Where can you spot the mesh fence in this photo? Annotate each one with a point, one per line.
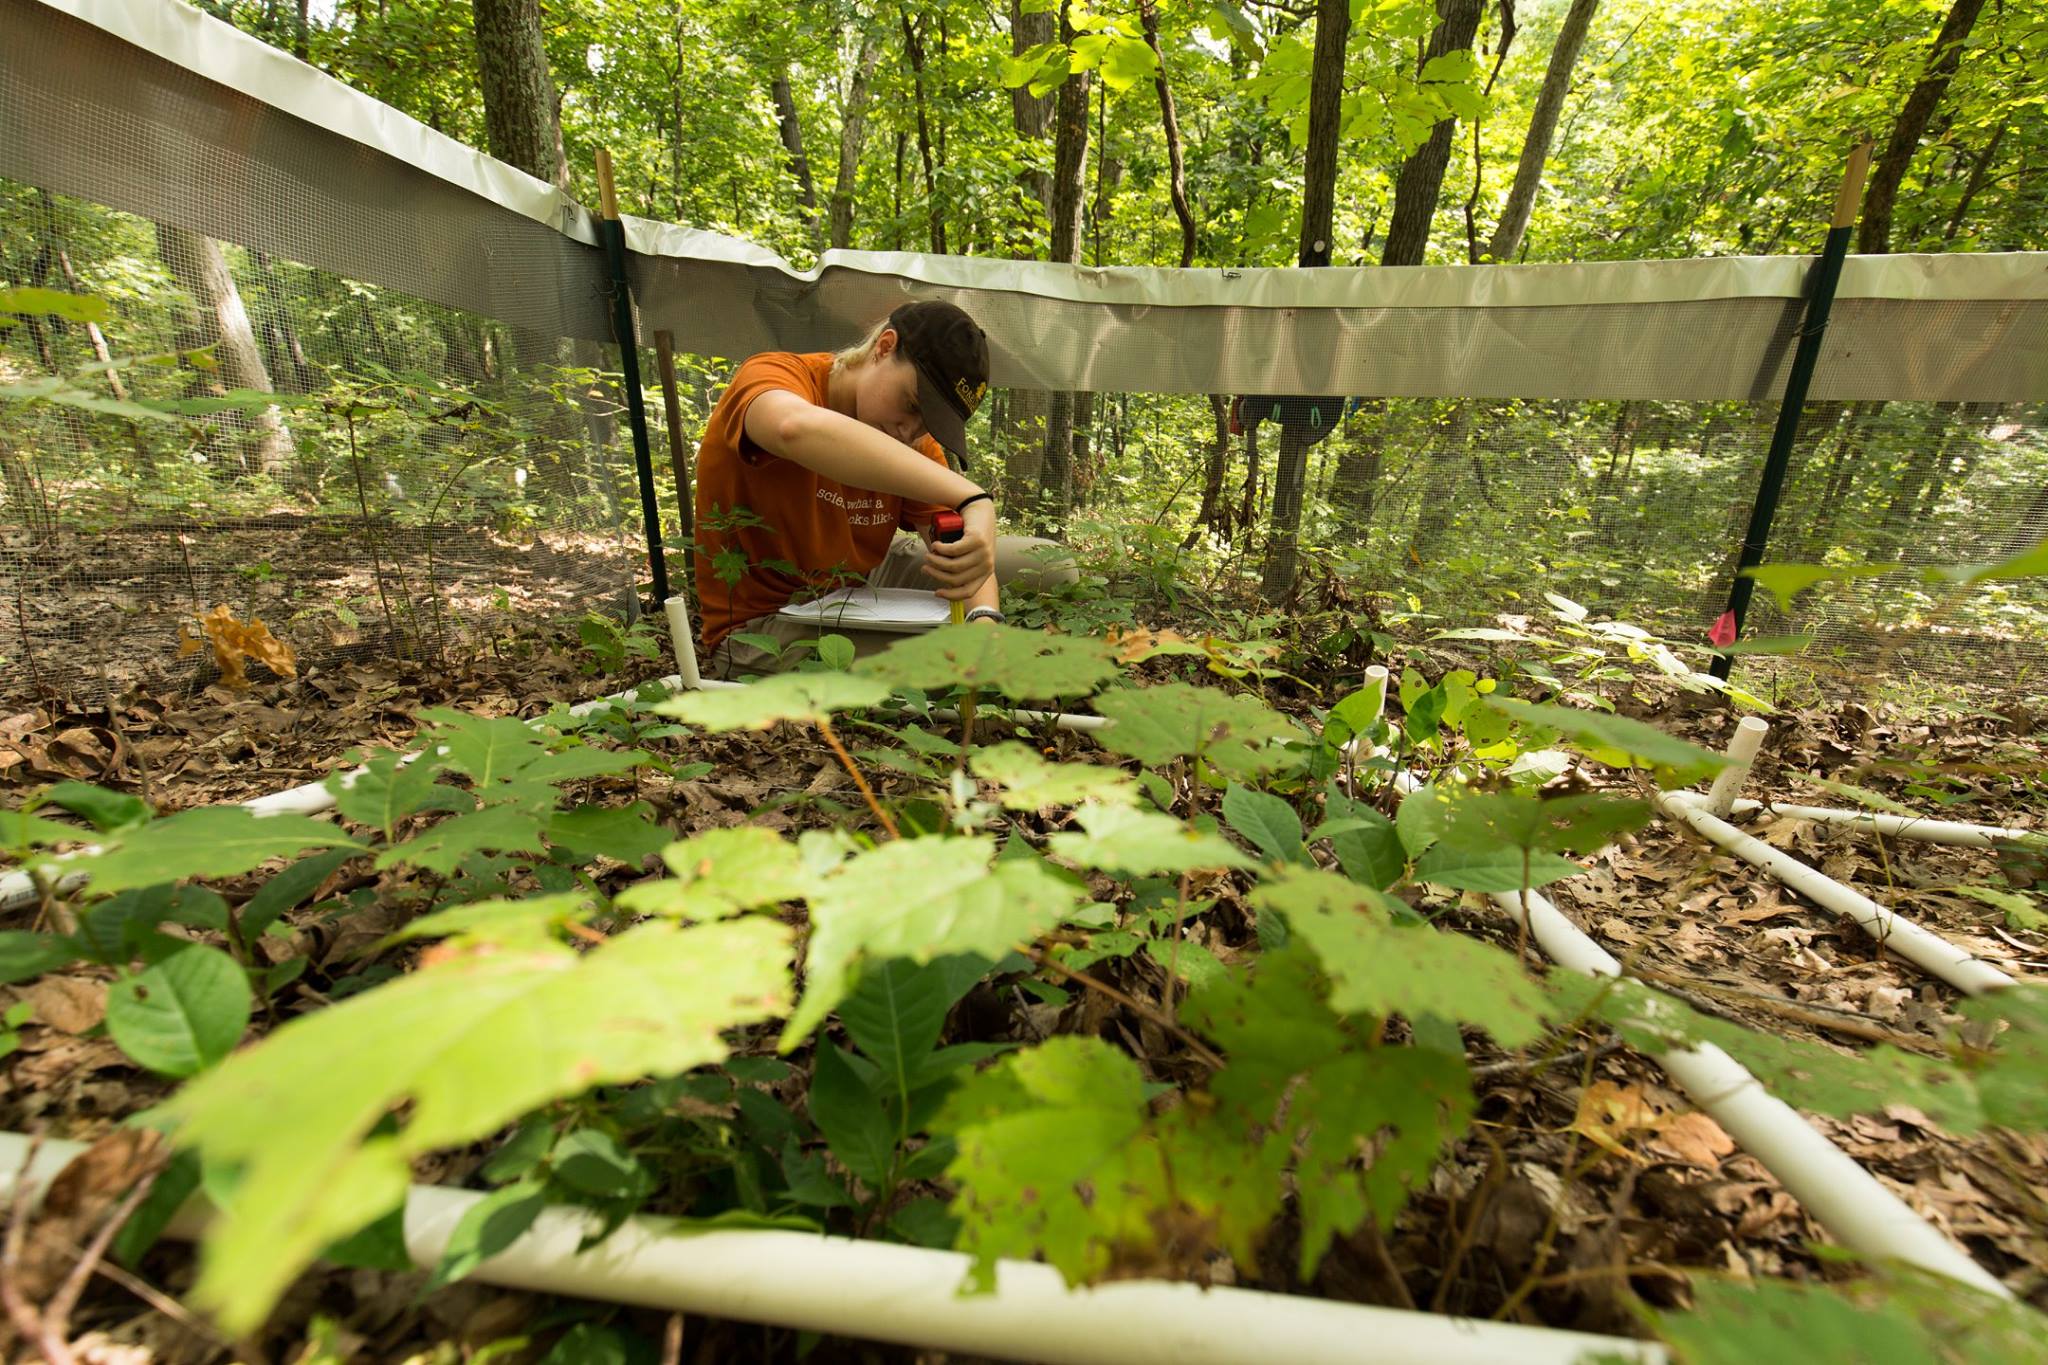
(1634, 509)
(425, 477)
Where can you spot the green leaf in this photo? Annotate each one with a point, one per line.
(835, 652)
(2020, 911)
(210, 841)
(785, 696)
(591, 1161)
(1804, 1074)
(1267, 821)
(486, 1228)
(501, 922)
(897, 1012)
(921, 899)
(287, 889)
(1298, 1077)
(1356, 713)
(1378, 967)
(1786, 581)
(1023, 665)
(108, 812)
(851, 1118)
(723, 872)
(184, 1014)
(469, 1044)
(1499, 841)
(626, 834)
(489, 749)
(1142, 843)
(1371, 854)
(1862, 796)
(388, 788)
(1619, 741)
(1053, 1161)
(1897, 1319)
(1236, 734)
(442, 847)
(24, 955)
(55, 303)
(1125, 63)
(2027, 564)
(1030, 782)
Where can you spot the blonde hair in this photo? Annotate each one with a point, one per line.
(858, 354)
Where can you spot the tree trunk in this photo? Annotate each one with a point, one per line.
(1022, 431)
(1215, 512)
(1975, 183)
(1031, 115)
(913, 45)
(792, 132)
(520, 126)
(1421, 180)
(196, 264)
(1169, 120)
(54, 245)
(1875, 236)
(1318, 208)
(1069, 179)
(1557, 80)
(853, 127)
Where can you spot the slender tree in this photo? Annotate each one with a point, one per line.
(1318, 209)
(1875, 235)
(1557, 80)
(1069, 179)
(197, 263)
(791, 130)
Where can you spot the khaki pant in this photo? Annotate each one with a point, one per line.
(1021, 562)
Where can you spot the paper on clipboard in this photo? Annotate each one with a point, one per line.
(905, 611)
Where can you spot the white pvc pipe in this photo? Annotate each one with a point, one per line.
(1900, 826)
(1843, 1197)
(1924, 949)
(885, 1292)
(1748, 738)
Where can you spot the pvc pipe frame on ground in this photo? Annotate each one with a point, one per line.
(885, 1292)
(1843, 1197)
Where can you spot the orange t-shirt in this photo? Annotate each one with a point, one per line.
(794, 529)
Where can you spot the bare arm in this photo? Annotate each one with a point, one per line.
(858, 456)
(835, 445)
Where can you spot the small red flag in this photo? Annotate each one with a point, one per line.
(1723, 633)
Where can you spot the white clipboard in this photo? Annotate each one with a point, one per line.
(901, 611)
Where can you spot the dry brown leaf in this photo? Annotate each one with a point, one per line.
(1694, 1137)
(69, 1004)
(1142, 642)
(236, 642)
(1769, 905)
(1609, 1113)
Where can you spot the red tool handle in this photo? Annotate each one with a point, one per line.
(948, 525)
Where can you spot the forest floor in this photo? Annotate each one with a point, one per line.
(1587, 1182)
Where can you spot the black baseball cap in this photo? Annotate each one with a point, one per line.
(951, 356)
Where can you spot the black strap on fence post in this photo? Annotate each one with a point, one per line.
(614, 234)
(1820, 299)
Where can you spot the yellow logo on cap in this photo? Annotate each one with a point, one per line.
(972, 398)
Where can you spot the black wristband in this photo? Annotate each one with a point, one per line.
(964, 503)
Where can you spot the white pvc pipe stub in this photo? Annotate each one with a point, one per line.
(1742, 748)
